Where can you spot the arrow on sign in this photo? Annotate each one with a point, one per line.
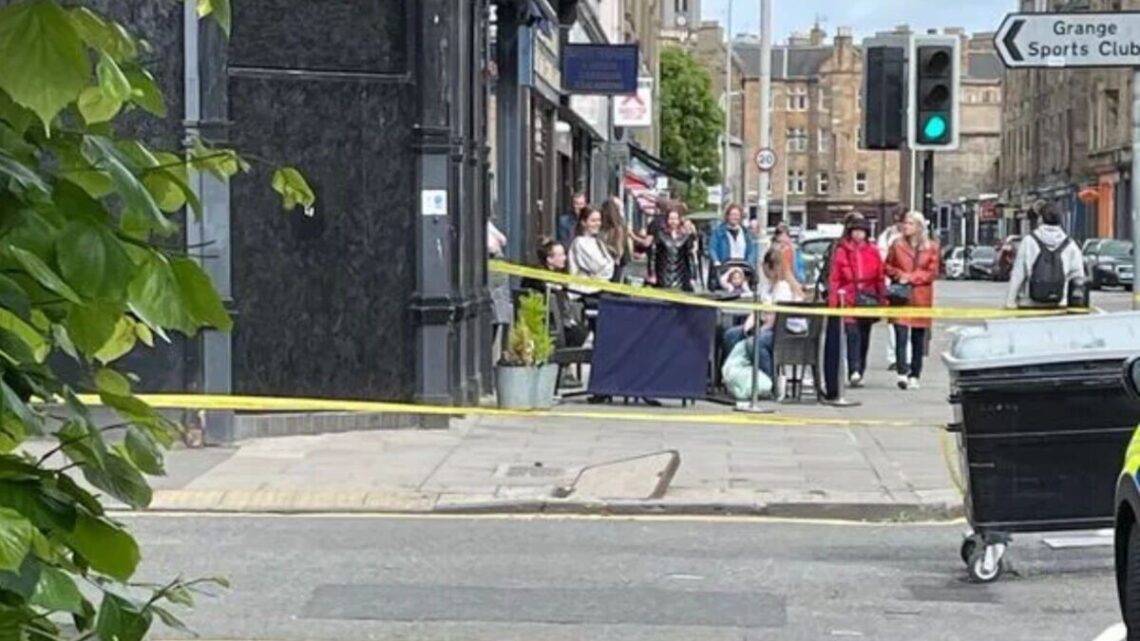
(1010, 40)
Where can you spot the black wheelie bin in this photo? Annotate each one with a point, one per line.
(1042, 421)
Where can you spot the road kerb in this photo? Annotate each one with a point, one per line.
(365, 502)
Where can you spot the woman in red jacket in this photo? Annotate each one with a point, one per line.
(912, 265)
(857, 280)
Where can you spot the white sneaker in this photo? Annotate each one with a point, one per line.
(856, 380)
(912, 383)
(902, 382)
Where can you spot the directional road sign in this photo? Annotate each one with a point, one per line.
(1027, 40)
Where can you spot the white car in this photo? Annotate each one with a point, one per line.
(956, 264)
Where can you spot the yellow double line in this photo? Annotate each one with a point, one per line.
(671, 296)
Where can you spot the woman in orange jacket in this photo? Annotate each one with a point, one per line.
(913, 264)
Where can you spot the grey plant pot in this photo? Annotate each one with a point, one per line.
(545, 384)
(526, 388)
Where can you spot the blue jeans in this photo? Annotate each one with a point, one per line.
(734, 335)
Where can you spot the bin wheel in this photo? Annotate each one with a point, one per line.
(969, 544)
(983, 569)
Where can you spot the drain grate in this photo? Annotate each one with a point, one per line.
(535, 471)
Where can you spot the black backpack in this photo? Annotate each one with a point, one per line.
(1047, 278)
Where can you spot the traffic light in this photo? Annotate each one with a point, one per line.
(934, 86)
(884, 96)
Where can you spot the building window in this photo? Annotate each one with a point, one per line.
(861, 183)
(824, 99)
(822, 183)
(681, 6)
(796, 182)
(797, 140)
(824, 140)
(797, 99)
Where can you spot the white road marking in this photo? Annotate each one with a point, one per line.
(1100, 538)
(1114, 633)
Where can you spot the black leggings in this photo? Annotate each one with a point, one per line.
(858, 344)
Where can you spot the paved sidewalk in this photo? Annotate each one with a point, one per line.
(897, 469)
(888, 459)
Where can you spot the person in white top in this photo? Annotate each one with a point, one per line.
(781, 287)
(886, 239)
(588, 255)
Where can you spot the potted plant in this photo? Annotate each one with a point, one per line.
(524, 378)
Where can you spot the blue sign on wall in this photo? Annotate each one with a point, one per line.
(600, 69)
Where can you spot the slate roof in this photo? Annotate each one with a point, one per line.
(803, 62)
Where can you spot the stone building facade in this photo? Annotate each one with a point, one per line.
(972, 170)
(816, 115)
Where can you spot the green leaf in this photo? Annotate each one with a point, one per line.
(141, 207)
(22, 581)
(121, 620)
(13, 297)
(43, 274)
(81, 442)
(15, 538)
(219, 9)
(16, 116)
(145, 92)
(144, 452)
(107, 548)
(169, 620)
(12, 433)
(76, 169)
(92, 326)
(121, 480)
(144, 334)
(24, 176)
(199, 296)
(27, 334)
(57, 592)
(93, 261)
(12, 402)
(43, 64)
(109, 381)
(155, 295)
(122, 341)
(293, 188)
(109, 38)
(96, 106)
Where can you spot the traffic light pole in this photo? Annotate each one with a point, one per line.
(1135, 185)
(928, 186)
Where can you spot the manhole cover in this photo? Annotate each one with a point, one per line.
(530, 471)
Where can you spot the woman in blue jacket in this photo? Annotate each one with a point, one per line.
(730, 241)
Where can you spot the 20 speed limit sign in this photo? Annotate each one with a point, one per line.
(765, 159)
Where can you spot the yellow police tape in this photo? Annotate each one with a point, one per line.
(279, 404)
(672, 296)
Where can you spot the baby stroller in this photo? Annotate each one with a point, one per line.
(718, 280)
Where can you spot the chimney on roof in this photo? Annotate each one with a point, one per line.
(817, 35)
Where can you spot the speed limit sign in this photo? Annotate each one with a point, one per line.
(766, 159)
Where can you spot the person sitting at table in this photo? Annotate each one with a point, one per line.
(552, 257)
(782, 287)
(672, 257)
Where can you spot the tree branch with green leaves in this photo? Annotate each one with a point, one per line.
(88, 270)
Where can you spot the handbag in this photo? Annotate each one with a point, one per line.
(866, 299)
(900, 293)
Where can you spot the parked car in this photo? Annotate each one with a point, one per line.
(1006, 253)
(954, 263)
(980, 262)
(1108, 263)
(813, 248)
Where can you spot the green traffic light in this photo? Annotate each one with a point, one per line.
(934, 128)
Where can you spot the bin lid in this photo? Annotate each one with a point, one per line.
(1042, 341)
